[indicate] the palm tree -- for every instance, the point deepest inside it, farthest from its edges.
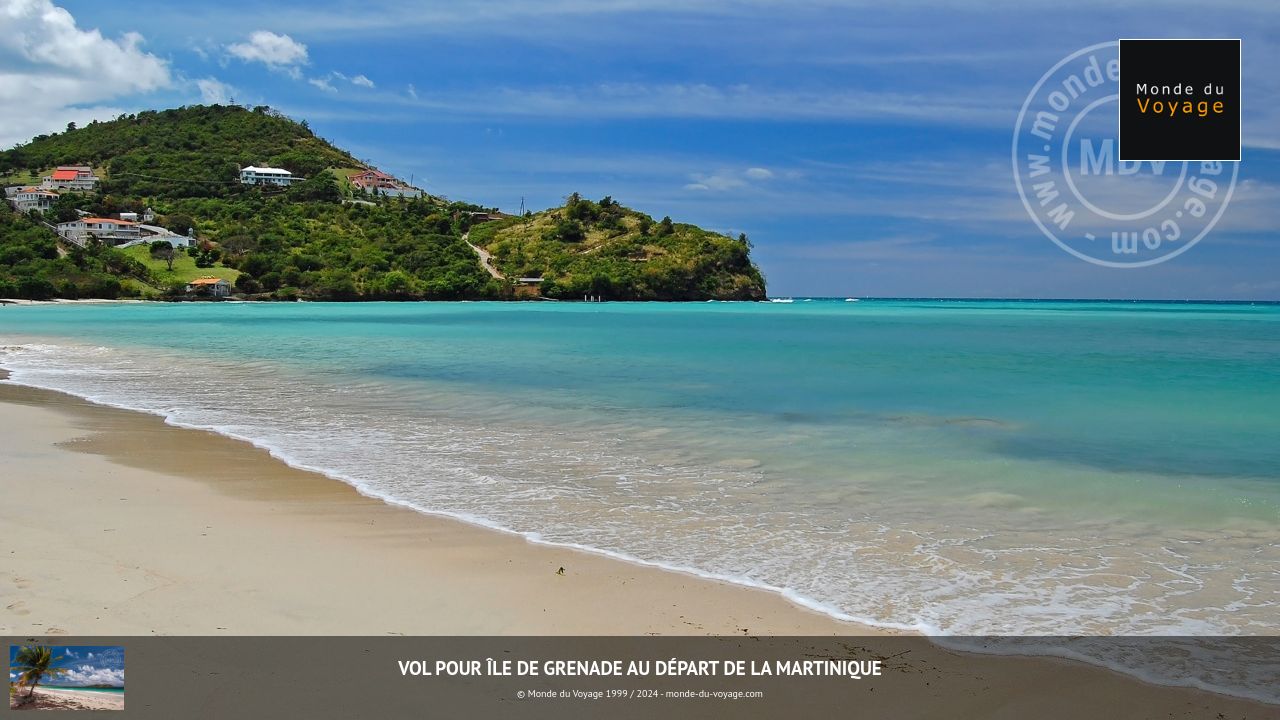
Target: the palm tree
(32, 663)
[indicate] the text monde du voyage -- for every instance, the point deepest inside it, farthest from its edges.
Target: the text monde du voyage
(1180, 99)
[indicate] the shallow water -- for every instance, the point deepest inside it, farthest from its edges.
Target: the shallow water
(953, 467)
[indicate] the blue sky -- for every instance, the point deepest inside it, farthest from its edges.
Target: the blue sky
(83, 665)
(863, 148)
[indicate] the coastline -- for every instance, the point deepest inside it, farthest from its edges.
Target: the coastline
(66, 699)
(217, 500)
(207, 535)
(20, 302)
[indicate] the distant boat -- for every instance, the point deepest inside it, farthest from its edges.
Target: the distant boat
(851, 299)
(781, 300)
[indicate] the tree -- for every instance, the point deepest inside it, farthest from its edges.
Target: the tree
(179, 223)
(569, 231)
(64, 209)
(322, 187)
(247, 284)
(36, 288)
(163, 250)
(32, 663)
(666, 227)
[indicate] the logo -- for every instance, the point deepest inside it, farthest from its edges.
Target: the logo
(1180, 100)
(1083, 197)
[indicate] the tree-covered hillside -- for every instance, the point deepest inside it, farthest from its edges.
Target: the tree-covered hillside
(33, 266)
(321, 239)
(186, 152)
(604, 249)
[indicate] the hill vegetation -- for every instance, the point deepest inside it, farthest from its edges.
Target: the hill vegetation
(322, 238)
(187, 152)
(34, 266)
(604, 249)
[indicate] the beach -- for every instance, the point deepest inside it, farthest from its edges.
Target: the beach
(136, 527)
(129, 526)
(64, 699)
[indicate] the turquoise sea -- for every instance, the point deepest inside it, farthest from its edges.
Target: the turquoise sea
(77, 688)
(953, 467)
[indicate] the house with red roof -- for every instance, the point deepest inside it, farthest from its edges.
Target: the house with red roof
(376, 182)
(209, 286)
(70, 177)
(372, 178)
(110, 231)
(27, 199)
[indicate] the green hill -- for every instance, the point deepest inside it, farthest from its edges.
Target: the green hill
(186, 152)
(316, 239)
(602, 248)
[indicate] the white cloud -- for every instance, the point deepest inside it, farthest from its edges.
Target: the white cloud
(215, 92)
(90, 675)
(278, 52)
(722, 180)
(984, 106)
(53, 72)
(413, 91)
(324, 84)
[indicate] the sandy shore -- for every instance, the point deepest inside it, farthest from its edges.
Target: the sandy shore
(127, 526)
(59, 699)
(130, 526)
(18, 302)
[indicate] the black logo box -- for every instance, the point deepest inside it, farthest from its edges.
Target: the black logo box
(1185, 67)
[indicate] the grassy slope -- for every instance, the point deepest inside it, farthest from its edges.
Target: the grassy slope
(343, 177)
(623, 261)
(184, 267)
(21, 177)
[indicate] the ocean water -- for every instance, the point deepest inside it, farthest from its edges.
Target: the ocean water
(77, 688)
(951, 467)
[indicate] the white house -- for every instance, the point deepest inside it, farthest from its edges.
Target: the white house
(32, 198)
(71, 177)
(152, 233)
(107, 230)
(211, 286)
(266, 176)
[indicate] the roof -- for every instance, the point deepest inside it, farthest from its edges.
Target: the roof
(106, 220)
(77, 168)
(207, 281)
(266, 170)
(64, 174)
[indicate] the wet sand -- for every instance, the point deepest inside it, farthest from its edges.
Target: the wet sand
(124, 525)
